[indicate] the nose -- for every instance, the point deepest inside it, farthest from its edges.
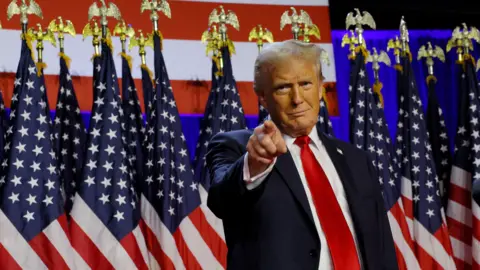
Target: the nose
(297, 95)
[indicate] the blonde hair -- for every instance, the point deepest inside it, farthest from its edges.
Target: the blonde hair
(281, 51)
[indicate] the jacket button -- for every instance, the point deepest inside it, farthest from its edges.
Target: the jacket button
(313, 253)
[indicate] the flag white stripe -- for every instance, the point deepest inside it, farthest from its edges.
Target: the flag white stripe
(269, 2)
(461, 250)
(476, 250)
(100, 235)
(476, 238)
(459, 213)
(407, 253)
(137, 233)
(185, 59)
(432, 246)
(166, 240)
(214, 222)
(461, 178)
(197, 246)
(475, 210)
(57, 236)
(17, 246)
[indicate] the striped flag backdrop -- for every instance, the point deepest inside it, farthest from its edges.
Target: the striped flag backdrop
(182, 34)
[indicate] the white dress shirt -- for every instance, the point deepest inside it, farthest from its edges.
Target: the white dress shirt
(324, 160)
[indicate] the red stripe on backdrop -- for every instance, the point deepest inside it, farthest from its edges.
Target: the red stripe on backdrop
(210, 236)
(189, 19)
(87, 249)
(47, 252)
(7, 260)
(155, 249)
(191, 96)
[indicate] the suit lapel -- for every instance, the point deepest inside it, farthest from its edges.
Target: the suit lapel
(287, 170)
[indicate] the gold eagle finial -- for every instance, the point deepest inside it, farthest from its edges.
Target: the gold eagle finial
(357, 21)
(61, 29)
(123, 31)
(463, 40)
(23, 10)
(155, 6)
(295, 20)
(141, 42)
(221, 18)
(104, 12)
(429, 53)
(260, 34)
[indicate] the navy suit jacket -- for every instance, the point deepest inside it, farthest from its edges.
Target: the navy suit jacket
(271, 227)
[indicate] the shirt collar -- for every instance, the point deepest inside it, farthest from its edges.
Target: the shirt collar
(315, 139)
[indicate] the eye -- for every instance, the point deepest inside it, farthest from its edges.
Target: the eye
(306, 84)
(282, 89)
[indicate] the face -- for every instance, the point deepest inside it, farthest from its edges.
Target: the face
(291, 96)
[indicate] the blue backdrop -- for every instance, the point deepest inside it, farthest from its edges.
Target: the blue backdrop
(445, 73)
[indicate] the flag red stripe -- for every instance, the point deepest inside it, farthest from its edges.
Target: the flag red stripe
(400, 260)
(189, 260)
(425, 260)
(47, 252)
(129, 243)
(7, 261)
(461, 265)
(399, 215)
(443, 236)
(459, 231)
(460, 195)
(189, 19)
(408, 207)
(62, 220)
(155, 249)
(190, 98)
(475, 266)
(210, 236)
(87, 249)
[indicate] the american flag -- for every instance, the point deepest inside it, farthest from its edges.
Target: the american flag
(463, 212)
(69, 135)
(262, 114)
(170, 202)
(147, 87)
(323, 117)
(3, 127)
(134, 133)
(223, 113)
(34, 230)
(438, 139)
(420, 190)
(106, 214)
(369, 132)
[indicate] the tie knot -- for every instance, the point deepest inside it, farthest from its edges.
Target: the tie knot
(302, 141)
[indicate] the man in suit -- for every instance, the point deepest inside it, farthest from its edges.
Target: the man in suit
(290, 197)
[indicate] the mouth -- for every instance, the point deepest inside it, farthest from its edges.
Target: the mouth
(298, 114)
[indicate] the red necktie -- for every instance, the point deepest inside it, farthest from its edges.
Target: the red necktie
(333, 223)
